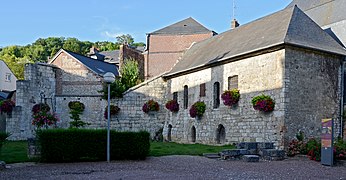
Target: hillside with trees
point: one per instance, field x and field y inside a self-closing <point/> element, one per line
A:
<point x="44" y="48"/>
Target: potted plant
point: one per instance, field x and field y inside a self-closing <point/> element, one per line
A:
<point x="113" y="111"/>
<point x="150" y="105"/>
<point x="42" y="117"/>
<point x="76" y="109"/>
<point x="230" y="97"/>
<point x="197" y="109"/>
<point x="263" y="103"/>
<point x="172" y="105"/>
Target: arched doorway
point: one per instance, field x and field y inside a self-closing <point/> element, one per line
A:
<point x="193" y="134"/>
<point x="169" y="133"/>
<point x="220" y="134"/>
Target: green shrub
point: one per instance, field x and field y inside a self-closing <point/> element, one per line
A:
<point x="340" y="149"/>
<point x="3" y="137"/>
<point x="313" y="148"/>
<point x="74" y="145"/>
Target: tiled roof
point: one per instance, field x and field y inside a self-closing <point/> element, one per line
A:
<point x="290" y="26"/>
<point x="184" y="27"/>
<point x="111" y="56"/>
<point x="323" y="12"/>
<point x="97" y="66"/>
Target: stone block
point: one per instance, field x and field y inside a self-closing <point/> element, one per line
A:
<point x="2" y="165"/>
<point x="251" y="158"/>
<point x="266" y="145"/>
<point x="247" y="145"/>
<point x="272" y="154"/>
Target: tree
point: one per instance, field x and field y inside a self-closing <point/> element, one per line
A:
<point x="125" y="39"/>
<point x="129" y="78"/>
<point x="129" y="73"/>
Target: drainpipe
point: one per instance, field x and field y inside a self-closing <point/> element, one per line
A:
<point x="342" y="98"/>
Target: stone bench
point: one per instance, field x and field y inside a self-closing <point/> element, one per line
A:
<point x="251" y="158"/>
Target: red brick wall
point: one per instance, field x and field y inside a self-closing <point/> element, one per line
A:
<point x="128" y="53"/>
<point x="164" y="51"/>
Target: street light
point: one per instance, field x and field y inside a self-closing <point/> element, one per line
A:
<point x="108" y="78"/>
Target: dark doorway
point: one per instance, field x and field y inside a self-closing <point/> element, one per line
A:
<point x="169" y="133"/>
<point x="220" y="134"/>
<point x="193" y="134"/>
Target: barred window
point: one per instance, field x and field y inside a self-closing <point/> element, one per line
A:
<point x="186" y="96"/>
<point x="202" y="90"/>
<point x="216" y="95"/>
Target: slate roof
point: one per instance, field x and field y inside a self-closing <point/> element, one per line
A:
<point x="111" y="56"/>
<point x="184" y="27"/>
<point x="290" y="26"/>
<point x="323" y="12"/>
<point x="97" y="66"/>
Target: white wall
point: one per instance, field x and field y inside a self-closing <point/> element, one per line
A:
<point x="7" y="78"/>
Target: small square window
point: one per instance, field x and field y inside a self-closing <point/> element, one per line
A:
<point x="232" y="82"/>
<point x="8" y="77"/>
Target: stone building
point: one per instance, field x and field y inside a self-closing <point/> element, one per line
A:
<point x="67" y="77"/>
<point x="166" y="45"/>
<point x="285" y="55"/>
<point x="7" y="81"/>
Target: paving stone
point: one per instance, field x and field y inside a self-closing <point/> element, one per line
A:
<point x="251" y="158"/>
<point x="212" y="155"/>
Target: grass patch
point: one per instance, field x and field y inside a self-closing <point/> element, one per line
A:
<point x="14" y="152"/>
<point x="170" y="148"/>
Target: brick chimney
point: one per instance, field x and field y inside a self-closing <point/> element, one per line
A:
<point x="234" y="24"/>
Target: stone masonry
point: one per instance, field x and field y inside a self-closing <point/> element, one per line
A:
<point x="304" y="85"/>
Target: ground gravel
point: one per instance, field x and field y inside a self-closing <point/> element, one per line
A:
<point x="177" y="167"/>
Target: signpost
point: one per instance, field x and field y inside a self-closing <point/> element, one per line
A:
<point x="327" y="142"/>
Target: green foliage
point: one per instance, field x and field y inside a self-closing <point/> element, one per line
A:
<point x="129" y="73"/>
<point x="73" y="145"/>
<point x="3" y="137"/>
<point x="300" y="136"/>
<point x="263" y="103"/>
<point x="129" y="78"/>
<point x="15" y="152"/>
<point x="313" y="148"/>
<point x="170" y="148"/>
<point x="150" y="105"/>
<point x="197" y="109"/>
<point x="76" y="109"/>
<point x="125" y="39"/>
<point x="39" y="51"/>
<point x="340" y="149"/>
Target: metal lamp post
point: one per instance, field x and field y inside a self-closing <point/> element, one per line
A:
<point x="108" y="78"/>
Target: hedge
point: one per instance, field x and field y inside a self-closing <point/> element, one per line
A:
<point x="3" y="137"/>
<point x="74" y="145"/>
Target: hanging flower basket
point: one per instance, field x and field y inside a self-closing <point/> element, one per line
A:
<point x="197" y="109"/>
<point x="114" y="110"/>
<point x="44" y="119"/>
<point x="263" y="103"/>
<point x="40" y="107"/>
<point x="150" y="105"/>
<point x="172" y="105"/>
<point x="6" y="106"/>
<point x="230" y="97"/>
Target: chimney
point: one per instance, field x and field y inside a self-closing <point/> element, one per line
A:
<point x="234" y="24"/>
<point x="93" y="50"/>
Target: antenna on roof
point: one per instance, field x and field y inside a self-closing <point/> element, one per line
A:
<point x="233" y="10"/>
<point x="234" y="22"/>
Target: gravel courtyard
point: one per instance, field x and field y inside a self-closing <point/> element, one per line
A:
<point x="177" y="167"/>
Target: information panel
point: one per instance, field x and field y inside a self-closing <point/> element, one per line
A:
<point x="327" y="142"/>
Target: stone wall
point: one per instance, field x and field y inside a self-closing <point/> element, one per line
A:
<point x="131" y="117"/>
<point x="39" y="86"/>
<point x="312" y="91"/>
<point x="256" y="75"/>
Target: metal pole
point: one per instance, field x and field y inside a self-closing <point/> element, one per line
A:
<point x="108" y="127"/>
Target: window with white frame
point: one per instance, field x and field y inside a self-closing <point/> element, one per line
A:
<point x="8" y="77"/>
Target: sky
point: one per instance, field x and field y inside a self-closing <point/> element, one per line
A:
<point x="24" y="21"/>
